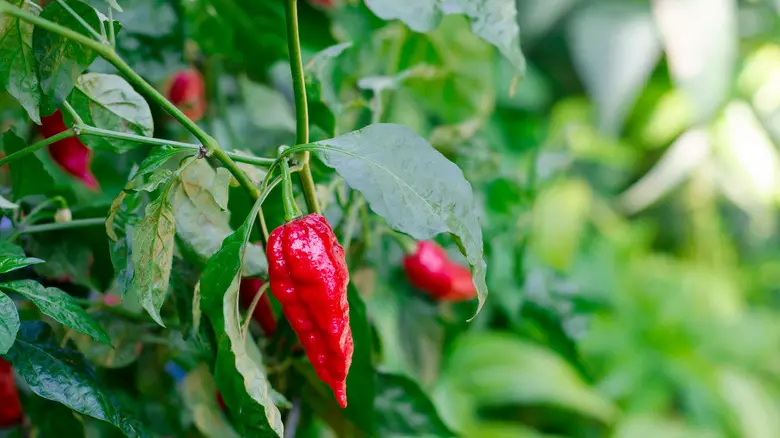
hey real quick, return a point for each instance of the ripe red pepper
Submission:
(309, 276)
(187, 91)
(263, 313)
(69, 153)
(10, 407)
(431, 270)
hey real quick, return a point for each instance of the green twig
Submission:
(251, 310)
(34, 147)
(301, 108)
(72, 111)
(111, 31)
(57, 226)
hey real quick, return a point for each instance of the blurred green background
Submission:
(629, 182)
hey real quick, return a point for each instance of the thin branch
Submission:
(87, 27)
(58, 226)
(251, 310)
(34, 147)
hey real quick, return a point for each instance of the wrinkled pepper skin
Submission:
(10, 408)
(263, 314)
(70, 153)
(187, 91)
(309, 276)
(431, 270)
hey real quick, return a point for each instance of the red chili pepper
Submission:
(10, 407)
(187, 91)
(263, 313)
(69, 153)
(309, 277)
(431, 270)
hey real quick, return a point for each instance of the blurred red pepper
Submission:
(10, 407)
(187, 91)
(431, 270)
(309, 276)
(322, 3)
(263, 313)
(69, 153)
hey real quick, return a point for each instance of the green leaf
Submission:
(412, 186)
(361, 380)
(17, 71)
(152, 255)
(109, 102)
(614, 71)
(240, 379)
(559, 217)
(267, 107)
(9, 323)
(199, 395)
(200, 221)
(12, 263)
(60, 61)
(403, 409)
(495, 21)
(59, 306)
(419, 15)
(49, 419)
(64, 376)
(125, 346)
(114, 5)
(321, 95)
(518, 372)
(701, 58)
(21, 184)
(7, 205)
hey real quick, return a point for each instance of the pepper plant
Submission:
(178, 239)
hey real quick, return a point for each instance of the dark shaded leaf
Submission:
(64, 376)
(28, 165)
(125, 346)
(9, 323)
(59, 306)
(60, 61)
(361, 380)
(412, 186)
(17, 68)
(403, 409)
(199, 394)
(50, 419)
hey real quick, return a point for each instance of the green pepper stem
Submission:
(301, 108)
(291, 210)
(34, 147)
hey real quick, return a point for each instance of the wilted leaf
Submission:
(9, 323)
(412, 186)
(240, 379)
(59, 60)
(152, 255)
(201, 223)
(221, 187)
(17, 70)
(59, 306)
(109, 102)
(64, 376)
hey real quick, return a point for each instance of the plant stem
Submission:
(56, 226)
(251, 310)
(240, 158)
(301, 108)
(76, 117)
(291, 210)
(210, 145)
(34, 147)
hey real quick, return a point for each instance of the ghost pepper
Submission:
(263, 313)
(308, 275)
(432, 271)
(187, 91)
(10, 407)
(69, 153)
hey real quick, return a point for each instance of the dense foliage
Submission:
(606, 169)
